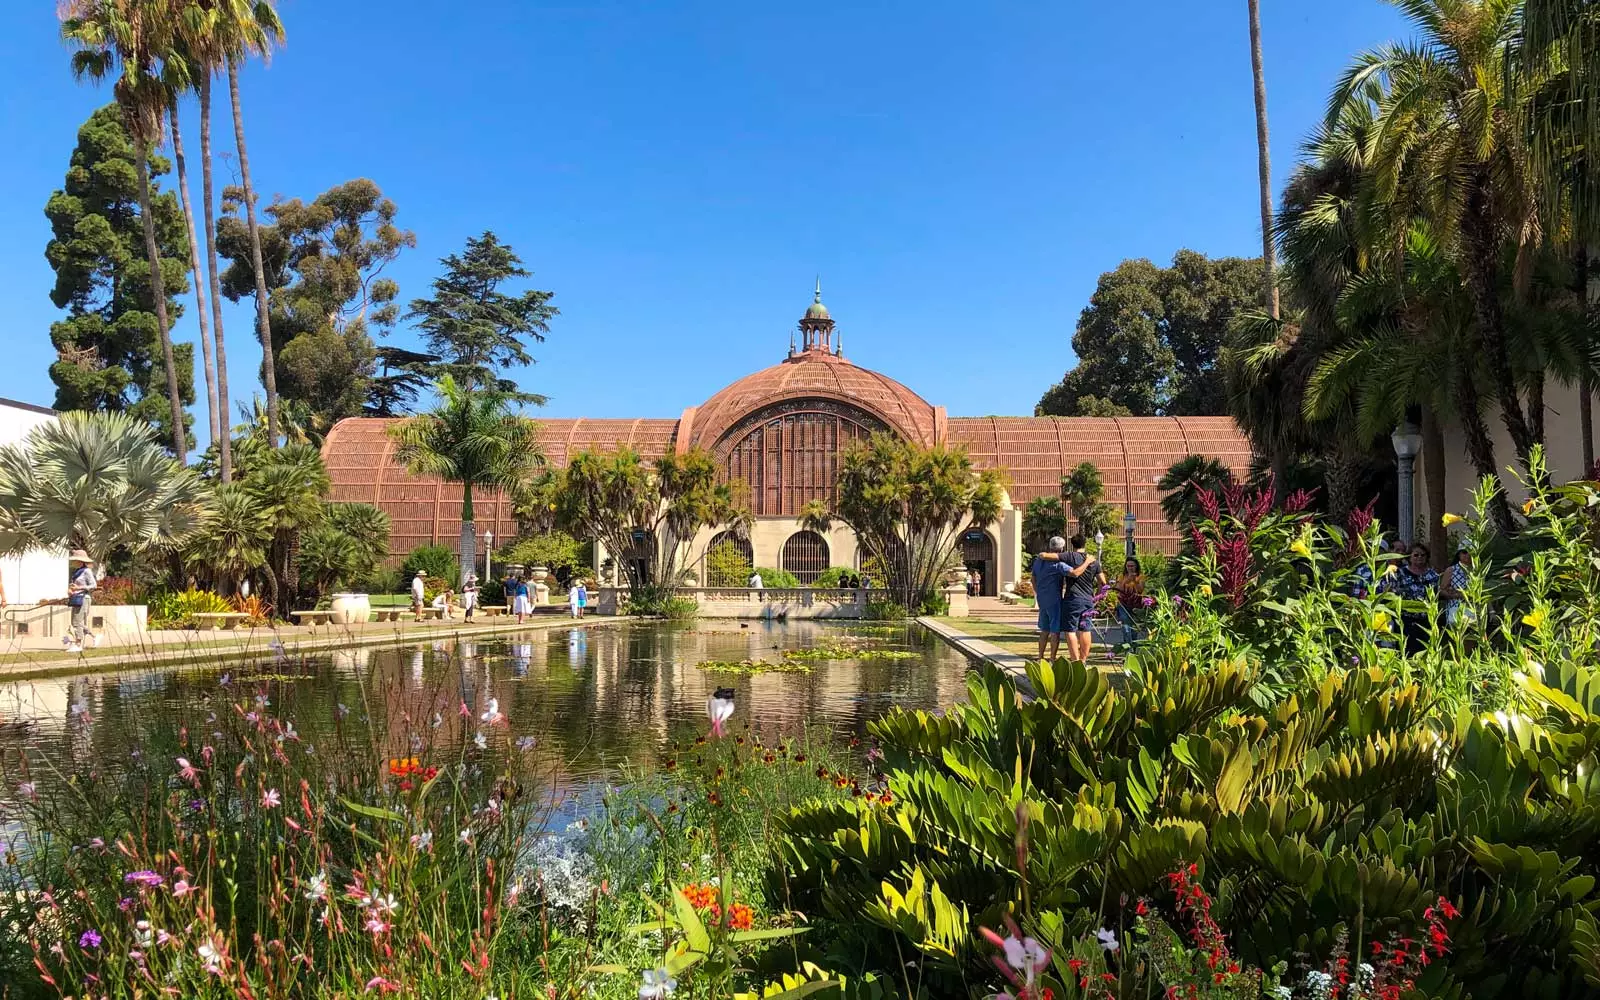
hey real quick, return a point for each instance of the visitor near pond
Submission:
(419, 588)
(441, 603)
(469, 595)
(1049, 581)
(520, 604)
(80, 597)
(1077, 605)
(1130, 592)
(756, 584)
(575, 598)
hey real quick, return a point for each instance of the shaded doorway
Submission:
(977, 554)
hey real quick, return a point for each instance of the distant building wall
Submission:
(35, 576)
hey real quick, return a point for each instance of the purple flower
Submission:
(1148, 601)
(527, 743)
(148, 879)
(89, 941)
(125, 904)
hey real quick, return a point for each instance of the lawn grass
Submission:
(1013, 637)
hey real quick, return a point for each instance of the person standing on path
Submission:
(1077, 606)
(419, 589)
(80, 597)
(1049, 581)
(755, 583)
(520, 602)
(575, 598)
(469, 595)
(583, 598)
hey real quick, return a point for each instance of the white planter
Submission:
(350, 609)
(539, 574)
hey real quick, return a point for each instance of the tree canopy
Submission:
(1148, 341)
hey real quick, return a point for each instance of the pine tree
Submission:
(108, 348)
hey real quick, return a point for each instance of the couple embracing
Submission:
(1064, 586)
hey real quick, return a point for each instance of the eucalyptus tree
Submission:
(474, 439)
(128, 39)
(100, 482)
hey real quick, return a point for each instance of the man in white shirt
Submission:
(755, 583)
(418, 591)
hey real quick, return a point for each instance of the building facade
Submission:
(781, 431)
(38, 575)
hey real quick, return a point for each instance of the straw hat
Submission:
(79, 556)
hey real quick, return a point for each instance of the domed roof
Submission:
(816, 310)
(811, 375)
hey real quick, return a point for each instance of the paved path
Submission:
(23, 657)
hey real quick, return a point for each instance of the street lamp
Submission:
(1407, 445)
(488, 554)
(1128, 521)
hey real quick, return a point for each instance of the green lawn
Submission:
(1009, 636)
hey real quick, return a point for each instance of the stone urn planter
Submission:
(539, 574)
(350, 609)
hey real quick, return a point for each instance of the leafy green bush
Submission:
(660, 602)
(777, 579)
(885, 611)
(436, 561)
(832, 577)
(554, 550)
(726, 566)
(170, 609)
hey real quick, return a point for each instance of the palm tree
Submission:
(237, 30)
(290, 483)
(1450, 150)
(98, 481)
(1181, 484)
(130, 37)
(1264, 161)
(235, 540)
(470, 438)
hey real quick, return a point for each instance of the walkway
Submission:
(25, 656)
(1007, 635)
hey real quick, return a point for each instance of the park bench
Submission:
(435, 614)
(388, 614)
(494, 610)
(312, 618)
(226, 621)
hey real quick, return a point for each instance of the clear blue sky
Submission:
(959, 174)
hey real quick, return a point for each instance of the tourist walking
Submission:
(519, 601)
(419, 589)
(469, 596)
(1414, 582)
(574, 599)
(80, 598)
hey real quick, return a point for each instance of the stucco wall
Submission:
(36, 576)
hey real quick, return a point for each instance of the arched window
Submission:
(805, 555)
(728, 561)
(789, 454)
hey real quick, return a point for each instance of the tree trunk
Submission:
(469, 532)
(1264, 162)
(1480, 448)
(158, 292)
(1343, 469)
(1483, 285)
(212, 410)
(1585, 383)
(269, 373)
(214, 280)
(1433, 463)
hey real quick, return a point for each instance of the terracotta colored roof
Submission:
(1132, 453)
(812, 375)
(427, 511)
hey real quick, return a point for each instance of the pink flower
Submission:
(270, 799)
(186, 770)
(27, 791)
(382, 985)
(376, 925)
(181, 889)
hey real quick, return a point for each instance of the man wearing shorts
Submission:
(1077, 605)
(1049, 578)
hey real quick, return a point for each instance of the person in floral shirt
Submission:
(1453, 587)
(1414, 581)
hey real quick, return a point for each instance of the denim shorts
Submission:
(1077, 618)
(1050, 619)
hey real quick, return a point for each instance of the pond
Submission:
(598, 701)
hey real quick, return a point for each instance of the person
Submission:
(977, 583)
(519, 598)
(1049, 582)
(469, 595)
(583, 598)
(80, 597)
(419, 586)
(573, 599)
(1413, 581)
(1077, 605)
(755, 582)
(1453, 587)
(441, 602)
(1130, 594)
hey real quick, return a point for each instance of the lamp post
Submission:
(488, 554)
(1128, 521)
(1100, 545)
(1407, 444)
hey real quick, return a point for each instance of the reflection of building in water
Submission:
(351, 660)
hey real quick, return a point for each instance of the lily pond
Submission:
(593, 704)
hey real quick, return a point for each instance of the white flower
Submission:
(386, 904)
(1026, 955)
(27, 790)
(210, 957)
(480, 741)
(270, 799)
(438, 720)
(422, 841)
(80, 707)
(466, 836)
(317, 888)
(657, 984)
(1108, 939)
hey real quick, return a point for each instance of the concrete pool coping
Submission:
(199, 648)
(983, 651)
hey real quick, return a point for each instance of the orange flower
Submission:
(740, 917)
(399, 767)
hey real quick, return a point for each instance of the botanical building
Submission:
(781, 430)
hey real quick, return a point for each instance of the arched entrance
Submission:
(805, 555)
(728, 561)
(978, 555)
(641, 554)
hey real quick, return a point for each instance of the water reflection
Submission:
(595, 699)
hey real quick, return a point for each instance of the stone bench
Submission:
(495, 610)
(433, 614)
(387, 614)
(226, 621)
(312, 618)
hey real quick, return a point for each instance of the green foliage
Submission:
(832, 577)
(1182, 483)
(555, 551)
(233, 542)
(437, 561)
(749, 668)
(726, 565)
(324, 264)
(777, 579)
(476, 330)
(1042, 520)
(290, 484)
(1083, 489)
(885, 611)
(96, 481)
(108, 347)
(346, 547)
(1147, 343)
(168, 609)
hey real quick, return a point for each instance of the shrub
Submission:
(258, 610)
(555, 551)
(885, 611)
(118, 590)
(1153, 563)
(832, 577)
(660, 602)
(435, 560)
(169, 609)
(726, 566)
(777, 579)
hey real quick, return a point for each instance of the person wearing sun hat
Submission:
(80, 597)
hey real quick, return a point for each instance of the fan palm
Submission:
(1181, 484)
(100, 482)
(290, 483)
(471, 438)
(129, 38)
(1450, 151)
(234, 541)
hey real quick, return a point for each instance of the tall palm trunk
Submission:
(269, 373)
(1483, 285)
(1580, 286)
(214, 413)
(1264, 162)
(1433, 465)
(469, 532)
(213, 277)
(1343, 473)
(158, 291)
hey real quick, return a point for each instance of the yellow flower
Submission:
(1535, 618)
(1380, 622)
(1452, 519)
(1205, 589)
(1300, 548)
(1180, 640)
(1527, 506)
